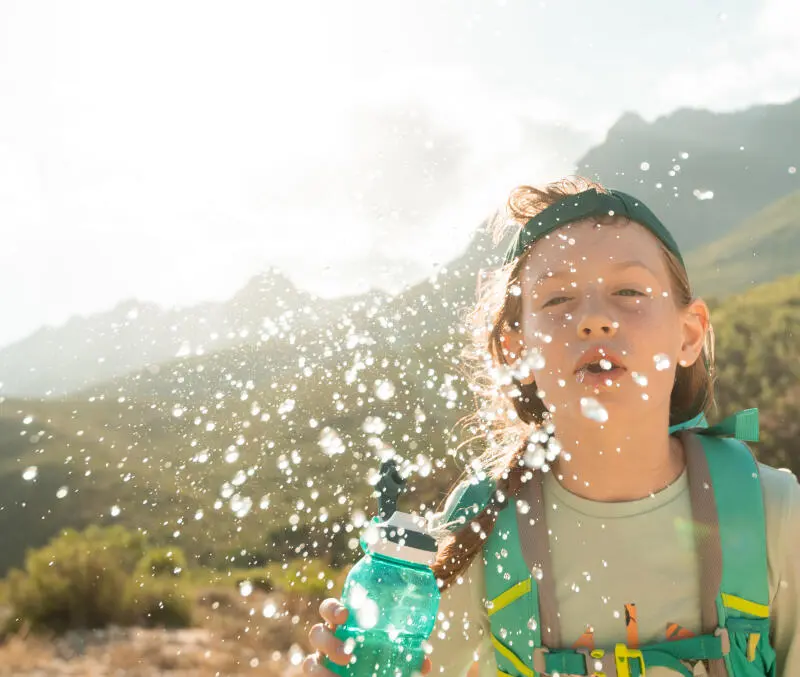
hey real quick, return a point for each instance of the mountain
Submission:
(764, 247)
(86, 350)
(134, 336)
(744, 159)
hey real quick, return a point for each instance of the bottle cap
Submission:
(402, 536)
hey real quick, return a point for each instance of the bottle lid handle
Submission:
(388, 487)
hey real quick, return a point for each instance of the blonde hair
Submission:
(508, 409)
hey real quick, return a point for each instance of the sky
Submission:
(169, 150)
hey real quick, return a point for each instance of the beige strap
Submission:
(707, 539)
(535, 543)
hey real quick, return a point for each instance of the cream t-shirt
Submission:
(634, 558)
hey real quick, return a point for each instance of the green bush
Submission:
(162, 562)
(258, 581)
(306, 577)
(159, 602)
(77, 580)
(86, 580)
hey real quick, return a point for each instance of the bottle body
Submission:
(392, 608)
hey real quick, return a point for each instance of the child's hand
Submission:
(321, 636)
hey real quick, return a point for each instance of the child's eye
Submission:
(556, 300)
(629, 292)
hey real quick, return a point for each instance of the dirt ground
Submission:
(258, 636)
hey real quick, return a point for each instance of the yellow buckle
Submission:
(752, 645)
(622, 655)
(594, 662)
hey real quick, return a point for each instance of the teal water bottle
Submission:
(391, 593)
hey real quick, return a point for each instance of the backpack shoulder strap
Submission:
(468, 499)
(742, 527)
(511, 589)
(728, 503)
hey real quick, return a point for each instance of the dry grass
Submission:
(233, 637)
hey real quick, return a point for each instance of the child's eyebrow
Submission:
(618, 266)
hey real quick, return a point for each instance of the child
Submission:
(610, 544)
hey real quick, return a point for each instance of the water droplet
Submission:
(593, 410)
(286, 407)
(554, 448)
(532, 624)
(331, 443)
(371, 534)
(532, 361)
(241, 505)
(178, 411)
(639, 379)
(368, 614)
(703, 194)
(115, 511)
(245, 588)
(662, 361)
(515, 290)
(269, 610)
(62, 492)
(296, 654)
(30, 473)
(793, 170)
(384, 390)
(373, 425)
(535, 456)
(644, 166)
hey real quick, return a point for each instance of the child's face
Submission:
(590, 293)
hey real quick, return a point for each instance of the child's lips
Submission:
(597, 379)
(607, 360)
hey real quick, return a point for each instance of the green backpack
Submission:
(725, 492)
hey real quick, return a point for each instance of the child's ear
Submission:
(696, 321)
(514, 349)
(513, 345)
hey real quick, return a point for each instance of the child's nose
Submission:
(597, 326)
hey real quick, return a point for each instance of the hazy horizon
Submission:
(168, 152)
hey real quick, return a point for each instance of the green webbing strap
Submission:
(583, 205)
(698, 421)
(562, 664)
(743, 425)
(467, 500)
(664, 654)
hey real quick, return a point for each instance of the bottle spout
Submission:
(388, 487)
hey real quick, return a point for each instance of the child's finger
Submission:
(313, 666)
(323, 640)
(333, 612)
